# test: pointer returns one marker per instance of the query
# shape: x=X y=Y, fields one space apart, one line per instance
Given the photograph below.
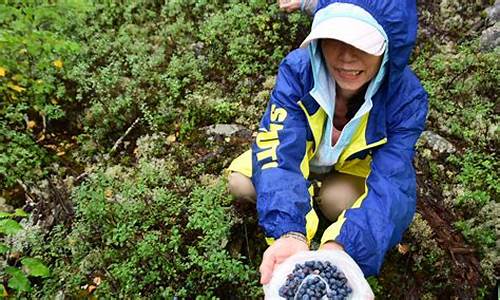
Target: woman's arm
x=278 y=172
x=308 y=6
x=379 y=218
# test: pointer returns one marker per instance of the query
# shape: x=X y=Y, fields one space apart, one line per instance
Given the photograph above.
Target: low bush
x=147 y=232
x=36 y=49
x=462 y=87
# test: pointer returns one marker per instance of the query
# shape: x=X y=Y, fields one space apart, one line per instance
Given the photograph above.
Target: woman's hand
x=331 y=245
x=279 y=251
x=289 y=5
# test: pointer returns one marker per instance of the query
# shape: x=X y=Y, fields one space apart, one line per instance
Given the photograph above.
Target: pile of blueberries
x=313 y=280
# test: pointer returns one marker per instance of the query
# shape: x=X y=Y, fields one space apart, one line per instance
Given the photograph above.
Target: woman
x=345 y=109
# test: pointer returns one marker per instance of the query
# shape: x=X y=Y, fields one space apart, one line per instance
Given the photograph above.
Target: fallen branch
x=120 y=140
x=460 y=250
x=81 y=176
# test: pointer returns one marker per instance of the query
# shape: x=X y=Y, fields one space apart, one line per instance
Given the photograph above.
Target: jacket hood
x=399 y=20
x=324 y=91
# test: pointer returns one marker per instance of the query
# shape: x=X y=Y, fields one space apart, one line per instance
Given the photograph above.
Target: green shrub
x=462 y=87
x=16 y=269
x=180 y=65
x=143 y=235
x=478 y=178
x=35 y=51
x=20 y=158
x=462 y=83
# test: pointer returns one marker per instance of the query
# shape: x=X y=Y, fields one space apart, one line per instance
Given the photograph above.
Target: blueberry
x=315 y=287
x=317 y=265
x=282 y=291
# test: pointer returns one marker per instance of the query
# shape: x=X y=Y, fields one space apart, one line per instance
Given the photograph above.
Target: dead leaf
x=108 y=193
x=40 y=137
x=61 y=153
x=53 y=101
x=91 y=288
x=14 y=255
x=97 y=280
x=31 y=124
x=16 y=88
x=5 y=294
x=58 y=63
x=171 y=139
x=403 y=248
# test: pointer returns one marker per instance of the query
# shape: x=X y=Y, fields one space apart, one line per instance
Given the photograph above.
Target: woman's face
x=350 y=67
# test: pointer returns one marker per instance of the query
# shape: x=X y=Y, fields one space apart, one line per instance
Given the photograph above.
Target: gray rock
x=197 y=47
x=437 y=142
x=494 y=12
x=223 y=129
x=490 y=38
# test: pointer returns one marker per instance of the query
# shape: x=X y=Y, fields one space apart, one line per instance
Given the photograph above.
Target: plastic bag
x=356 y=280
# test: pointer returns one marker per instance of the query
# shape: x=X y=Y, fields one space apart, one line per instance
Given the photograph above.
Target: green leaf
x=20 y=213
x=18 y=281
x=9 y=227
x=3 y=292
x=4 y=249
x=35 y=267
x=5 y=215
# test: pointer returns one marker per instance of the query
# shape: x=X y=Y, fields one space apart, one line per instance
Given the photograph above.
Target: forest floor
x=105 y=142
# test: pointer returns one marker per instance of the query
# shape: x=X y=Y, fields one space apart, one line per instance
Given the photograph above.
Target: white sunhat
x=352 y=31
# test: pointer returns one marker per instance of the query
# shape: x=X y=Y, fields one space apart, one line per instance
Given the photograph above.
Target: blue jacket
x=381 y=150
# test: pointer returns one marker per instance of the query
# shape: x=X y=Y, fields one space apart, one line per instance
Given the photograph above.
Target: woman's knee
x=339 y=193
x=241 y=187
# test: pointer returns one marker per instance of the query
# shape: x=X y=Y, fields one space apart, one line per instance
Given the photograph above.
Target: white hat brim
x=352 y=31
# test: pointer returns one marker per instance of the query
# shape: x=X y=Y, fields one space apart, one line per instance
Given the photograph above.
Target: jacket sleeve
x=277 y=156
x=309 y=6
x=377 y=220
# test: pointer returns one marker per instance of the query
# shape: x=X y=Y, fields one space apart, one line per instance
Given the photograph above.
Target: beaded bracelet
x=296 y=235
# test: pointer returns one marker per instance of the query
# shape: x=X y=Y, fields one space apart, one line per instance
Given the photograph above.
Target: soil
x=466 y=274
